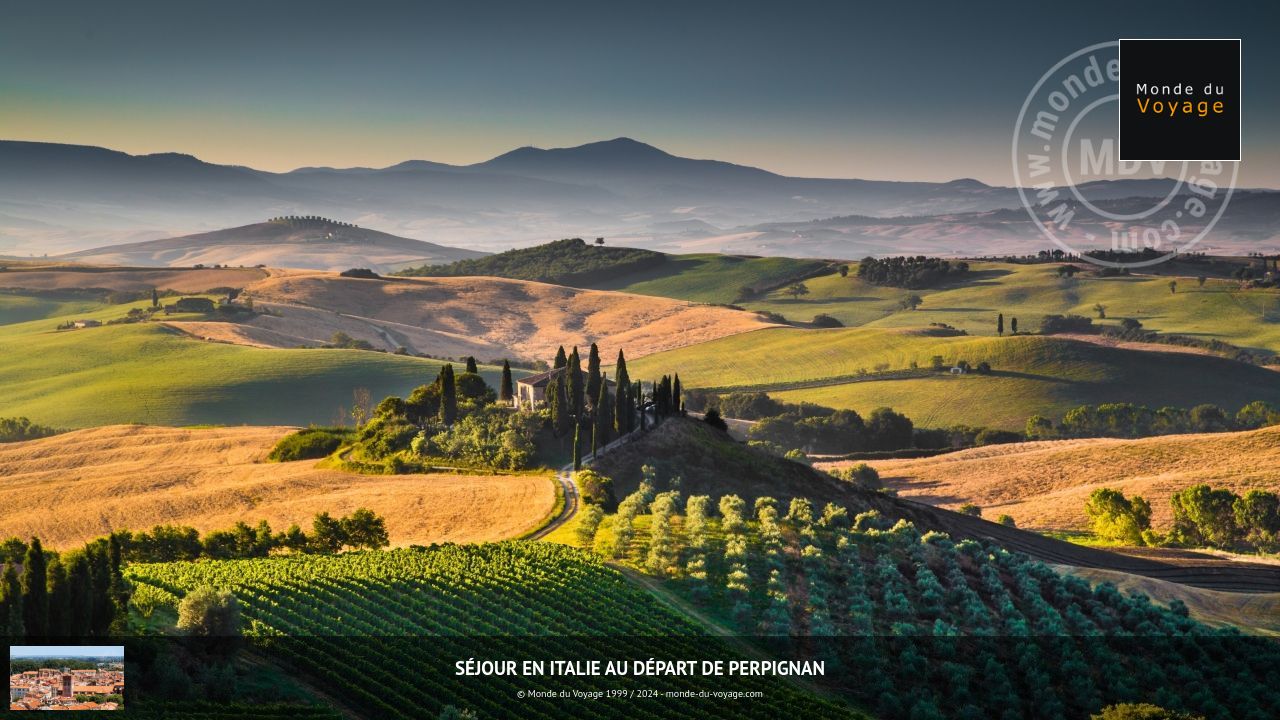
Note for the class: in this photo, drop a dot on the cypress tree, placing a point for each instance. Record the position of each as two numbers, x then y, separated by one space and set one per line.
35 591
576 386
577 446
471 365
604 419
155 298
12 603
561 361
505 390
622 406
593 373
677 401
558 405
644 417
103 605
1013 326
448 395
59 599
1000 324
80 589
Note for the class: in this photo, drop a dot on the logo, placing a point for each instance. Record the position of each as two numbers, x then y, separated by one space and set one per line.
1082 196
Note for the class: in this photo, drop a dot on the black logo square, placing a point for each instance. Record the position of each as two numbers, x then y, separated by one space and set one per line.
1180 100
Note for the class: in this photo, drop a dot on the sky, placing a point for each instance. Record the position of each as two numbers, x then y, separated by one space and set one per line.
898 91
66 651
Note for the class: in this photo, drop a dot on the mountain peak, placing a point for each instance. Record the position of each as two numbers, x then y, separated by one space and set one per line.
621 148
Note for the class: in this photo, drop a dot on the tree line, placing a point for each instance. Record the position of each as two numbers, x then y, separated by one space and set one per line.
1127 420
362 529
1203 516
80 593
913 272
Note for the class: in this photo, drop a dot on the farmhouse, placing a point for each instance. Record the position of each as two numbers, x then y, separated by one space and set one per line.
191 304
531 390
88 323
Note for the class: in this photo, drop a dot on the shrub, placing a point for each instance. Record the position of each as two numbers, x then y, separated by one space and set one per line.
823 320
1051 324
712 418
595 489
1006 520
992 436
209 613
970 509
1115 517
309 444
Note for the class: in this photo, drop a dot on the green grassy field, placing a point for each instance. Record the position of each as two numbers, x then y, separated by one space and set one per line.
710 278
1031 374
23 308
150 373
1248 318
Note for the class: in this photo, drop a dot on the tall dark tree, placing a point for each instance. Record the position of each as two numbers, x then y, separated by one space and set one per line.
577 446
593 373
558 405
623 408
640 401
576 385
1013 326
11 602
561 360
604 419
1000 324
505 389
448 395
677 399
471 365
59 599
35 591
80 589
103 605
155 298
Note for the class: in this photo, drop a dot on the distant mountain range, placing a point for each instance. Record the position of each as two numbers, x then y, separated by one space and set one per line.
314 244
65 198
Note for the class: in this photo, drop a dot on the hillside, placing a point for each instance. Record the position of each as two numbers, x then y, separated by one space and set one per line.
1220 308
712 278
709 462
489 318
564 262
1031 374
152 373
1044 485
312 244
430 608
210 478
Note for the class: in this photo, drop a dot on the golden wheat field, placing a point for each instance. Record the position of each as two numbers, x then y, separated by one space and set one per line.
1044 485
481 316
73 487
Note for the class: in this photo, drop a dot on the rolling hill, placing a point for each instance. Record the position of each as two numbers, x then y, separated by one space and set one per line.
210 478
311 244
1044 485
487 317
1031 374
152 373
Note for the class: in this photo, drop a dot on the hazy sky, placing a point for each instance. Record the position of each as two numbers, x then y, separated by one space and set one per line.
876 90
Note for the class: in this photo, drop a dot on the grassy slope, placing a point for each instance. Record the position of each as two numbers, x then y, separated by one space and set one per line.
24 308
1033 374
209 478
709 277
152 374
1045 485
1249 318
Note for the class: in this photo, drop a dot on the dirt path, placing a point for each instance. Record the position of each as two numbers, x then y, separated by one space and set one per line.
565 478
